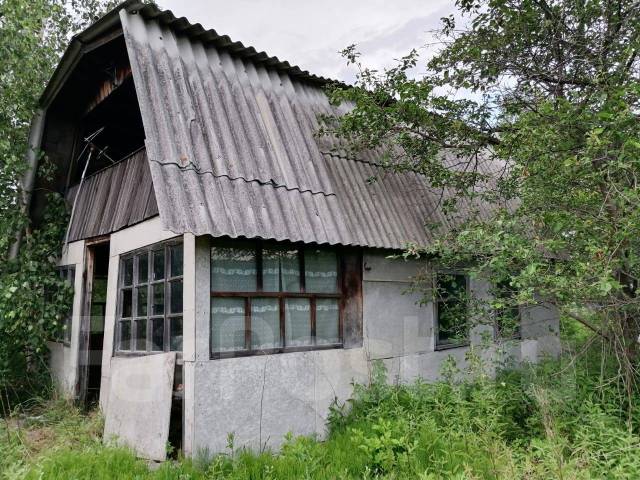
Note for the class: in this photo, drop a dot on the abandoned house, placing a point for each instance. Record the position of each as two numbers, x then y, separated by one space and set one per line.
230 266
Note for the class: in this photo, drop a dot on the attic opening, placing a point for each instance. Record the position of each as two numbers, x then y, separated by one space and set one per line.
94 120
113 128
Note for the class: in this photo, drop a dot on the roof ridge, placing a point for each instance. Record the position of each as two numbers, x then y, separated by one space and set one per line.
196 32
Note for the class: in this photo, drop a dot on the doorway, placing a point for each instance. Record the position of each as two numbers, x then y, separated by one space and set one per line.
92 323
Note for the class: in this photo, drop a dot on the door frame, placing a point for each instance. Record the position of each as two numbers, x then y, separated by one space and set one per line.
85 317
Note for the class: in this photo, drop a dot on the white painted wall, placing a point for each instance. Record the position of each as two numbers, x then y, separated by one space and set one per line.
63 359
132 238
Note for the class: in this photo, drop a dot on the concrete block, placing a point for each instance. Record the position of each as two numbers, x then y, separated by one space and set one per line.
139 404
335 374
394 323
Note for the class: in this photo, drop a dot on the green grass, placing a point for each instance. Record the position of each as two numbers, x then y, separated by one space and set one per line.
552 421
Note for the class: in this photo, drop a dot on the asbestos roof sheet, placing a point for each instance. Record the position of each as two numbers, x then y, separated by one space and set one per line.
233 150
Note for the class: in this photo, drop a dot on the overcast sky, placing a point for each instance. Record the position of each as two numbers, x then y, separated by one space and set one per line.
310 34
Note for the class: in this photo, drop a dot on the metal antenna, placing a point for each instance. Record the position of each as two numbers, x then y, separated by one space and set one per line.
91 146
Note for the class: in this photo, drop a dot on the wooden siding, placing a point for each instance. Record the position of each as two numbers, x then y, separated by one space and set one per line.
112 199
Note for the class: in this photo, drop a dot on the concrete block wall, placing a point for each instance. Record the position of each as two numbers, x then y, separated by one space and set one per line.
261 398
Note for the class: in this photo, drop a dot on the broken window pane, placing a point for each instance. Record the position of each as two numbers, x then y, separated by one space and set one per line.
143 268
327 321
227 324
157 334
128 272
320 271
452 312
297 322
176 296
175 334
176 260
127 302
233 269
158 264
265 323
125 335
141 334
142 301
158 299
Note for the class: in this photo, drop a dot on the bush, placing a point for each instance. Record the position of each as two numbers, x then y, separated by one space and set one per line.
556 420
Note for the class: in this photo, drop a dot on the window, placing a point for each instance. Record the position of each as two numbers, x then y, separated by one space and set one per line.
274 298
452 314
67 273
150 300
506 311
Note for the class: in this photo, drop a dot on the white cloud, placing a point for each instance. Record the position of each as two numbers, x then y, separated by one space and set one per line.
310 34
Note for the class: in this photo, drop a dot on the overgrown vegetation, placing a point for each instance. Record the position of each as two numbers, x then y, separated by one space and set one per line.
556 420
33 299
527 120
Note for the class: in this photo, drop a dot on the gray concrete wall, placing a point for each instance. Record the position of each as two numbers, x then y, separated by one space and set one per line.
261 398
63 359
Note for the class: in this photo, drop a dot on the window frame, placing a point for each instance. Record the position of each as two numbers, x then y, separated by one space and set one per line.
68 273
436 312
259 246
167 316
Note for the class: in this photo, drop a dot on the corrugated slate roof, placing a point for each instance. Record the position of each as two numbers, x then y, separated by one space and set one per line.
231 140
112 199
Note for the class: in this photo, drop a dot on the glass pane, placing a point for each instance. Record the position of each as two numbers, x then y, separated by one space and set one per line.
142 301
143 268
290 269
158 265
270 270
175 334
67 329
157 305
157 334
176 296
125 335
265 323
128 271
297 326
279 265
327 323
141 335
233 269
175 252
227 324
320 271
127 302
